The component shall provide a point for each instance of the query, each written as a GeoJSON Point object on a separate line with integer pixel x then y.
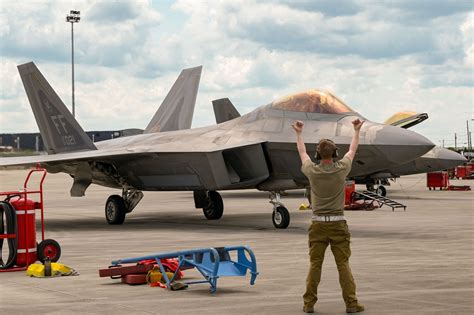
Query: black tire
{"type": "Point", "coordinates": [48, 250]}
{"type": "Point", "coordinates": [382, 191]}
{"type": "Point", "coordinates": [115, 210]}
{"type": "Point", "coordinates": [215, 206]}
{"type": "Point", "coordinates": [281, 218]}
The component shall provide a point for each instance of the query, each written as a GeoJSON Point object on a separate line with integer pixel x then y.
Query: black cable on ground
{"type": "Point", "coordinates": [11, 228]}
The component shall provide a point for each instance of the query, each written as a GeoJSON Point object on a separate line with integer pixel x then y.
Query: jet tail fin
{"type": "Point", "coordinates": [59, 129]}
{"type": "Point", "coordinates": [176, 111]}
{"type": "Point", "coordinates": [224, 110]}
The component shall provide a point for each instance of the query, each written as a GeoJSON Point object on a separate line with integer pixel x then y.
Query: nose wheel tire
{"type": "Point", "coordinates": [281, 218]}
{"type": "Point", "coordinates": [215, 206]}
{"type": "Point", "coordinates": [49, 250]}
{"type": "Point", "coordinates": [115, 210]}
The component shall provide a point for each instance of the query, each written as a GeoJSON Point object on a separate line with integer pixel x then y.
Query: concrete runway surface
{"type": "Point", "coordinates": [416, 262]}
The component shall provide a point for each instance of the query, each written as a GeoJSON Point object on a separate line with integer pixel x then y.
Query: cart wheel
{"type": "Point", "coordinates": [115, 210]}
{"type": "Point", "coordinates": [49, 250]}
{"type": "Point", "coordinates": [382, 191]}
{"type": "Point", "coordinates": [281, 218]}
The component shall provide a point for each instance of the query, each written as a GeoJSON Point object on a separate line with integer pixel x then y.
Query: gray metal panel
{"type": "Point", "coordinates": [224, 110]}
{"type": "Point", "coordinates": [176, 111]}
{"type": "Point", "coordinates": [59, 129]}
{"type": "Point", "coordinates": [171, 180]}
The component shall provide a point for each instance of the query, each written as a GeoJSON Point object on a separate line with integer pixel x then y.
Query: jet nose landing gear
{"type": "Point", "coordinates": [280, 215]}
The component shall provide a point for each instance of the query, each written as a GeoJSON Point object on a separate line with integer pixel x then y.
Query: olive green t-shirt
{"type": "Point", "coordinates": [327, 185]}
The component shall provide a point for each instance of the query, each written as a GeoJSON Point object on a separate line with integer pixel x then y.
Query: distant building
{"type": "Point", "coordinates": [33, 141]}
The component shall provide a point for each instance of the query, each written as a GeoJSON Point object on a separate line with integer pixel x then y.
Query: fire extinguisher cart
{"type": "Point", "coordinates": [26, 248]}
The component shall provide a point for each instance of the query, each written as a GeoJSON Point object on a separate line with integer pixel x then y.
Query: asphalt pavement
{"type": "Point", "coordinates": [418, 261]}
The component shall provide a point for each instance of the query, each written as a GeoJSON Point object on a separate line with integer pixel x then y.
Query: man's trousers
{"type": "Point", "coordinates": [336, 234]}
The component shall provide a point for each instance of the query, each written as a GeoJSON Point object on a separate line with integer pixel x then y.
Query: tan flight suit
{"type": "Point", "coordinates": [327, 199]}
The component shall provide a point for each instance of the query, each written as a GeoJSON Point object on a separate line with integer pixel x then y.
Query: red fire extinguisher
{"type": "Point", "coordinates": [20, 227]}
{"type": "Point", "coordinates": [26, 230]}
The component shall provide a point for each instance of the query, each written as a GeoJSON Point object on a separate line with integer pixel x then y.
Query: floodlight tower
{"type": "Point", "coordinates": [73, 17]}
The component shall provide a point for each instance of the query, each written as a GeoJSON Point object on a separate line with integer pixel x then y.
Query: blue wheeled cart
{"type": "Point", "coordinates": [211, 262]}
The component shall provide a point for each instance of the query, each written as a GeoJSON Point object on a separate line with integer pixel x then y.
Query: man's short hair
{"type": "Point", "coordinates": [326, 149]}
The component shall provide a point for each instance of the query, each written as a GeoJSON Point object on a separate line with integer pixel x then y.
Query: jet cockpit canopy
{"type": "Point", "coordinates": [312, 101]}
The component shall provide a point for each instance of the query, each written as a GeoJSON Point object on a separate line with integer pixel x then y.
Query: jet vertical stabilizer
{"type": "Point", "coordinates": [59, 129]}
{"type": "Point", "coordinates": [176, 111]}
{"type": "Point", "coordinates": [224, 110]}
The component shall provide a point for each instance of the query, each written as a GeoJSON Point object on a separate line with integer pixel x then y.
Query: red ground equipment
{"type": "Point", "coordinates": [349, 189]}
{"type": "Point", "coordinates": [20, 227]}
{"type": "Point", "coordinates": [441, 180]}
{"type": "Point", "coordinates": [470, 167]}
{"type": "Point", "coordinates": [462, 171]}
{"type": "Point", "coordinates": [437, 180]}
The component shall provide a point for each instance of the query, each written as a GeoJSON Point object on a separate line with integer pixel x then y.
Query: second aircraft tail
{"type": "Point", "coordinates": [176, 111]}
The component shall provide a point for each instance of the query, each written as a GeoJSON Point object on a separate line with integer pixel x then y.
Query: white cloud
{"type": "Point", "coordinates": [380, 58]}
{"type": "Point", "coordinates": [467, 31]}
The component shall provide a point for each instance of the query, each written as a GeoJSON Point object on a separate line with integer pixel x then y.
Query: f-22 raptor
{"type": "Point", "coordinates": [254, 151]}
{"type": "Point", "coordinates": [437, 159]}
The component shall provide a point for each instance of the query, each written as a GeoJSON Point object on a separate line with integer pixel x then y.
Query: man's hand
{"type": "Point", "coordinates": [357, 124]}
{"type": "Point", "coordinates": [298, 126]}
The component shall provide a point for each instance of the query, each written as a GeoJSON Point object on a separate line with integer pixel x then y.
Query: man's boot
{"type": "Point", "coordinates": [308, 309]}
{"type": "Point", "coordinates": [355, 308]}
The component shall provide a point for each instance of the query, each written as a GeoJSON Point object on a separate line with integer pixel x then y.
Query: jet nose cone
{"type": "Point", "coordinates": [449, 158]}
{"type": "Point", "coordinates": [400, 145]}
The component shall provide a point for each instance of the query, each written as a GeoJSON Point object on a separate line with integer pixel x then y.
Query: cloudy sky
{"type": "Point", "coordinates": [380, 57]}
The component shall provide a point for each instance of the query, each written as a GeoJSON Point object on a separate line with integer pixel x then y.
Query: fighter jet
{"type": "Point", "coordinates": [254, 151]}
{"type": "Point", "coordinates": [437, 159]}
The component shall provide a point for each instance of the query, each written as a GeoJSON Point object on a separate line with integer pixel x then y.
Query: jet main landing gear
{"type": "Point", "coordinates": [117, 206]}
{"type": "Point", "coordinates": [280, 215]}
{"type": "Point", "coordinates": [210, 202]}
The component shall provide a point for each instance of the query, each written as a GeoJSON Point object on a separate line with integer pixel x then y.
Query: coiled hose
{"type": "Point", "coordinates": [11, 228]}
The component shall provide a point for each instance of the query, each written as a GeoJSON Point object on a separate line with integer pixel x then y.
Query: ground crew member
{"type": "Point", "coordinates": [329, 227]}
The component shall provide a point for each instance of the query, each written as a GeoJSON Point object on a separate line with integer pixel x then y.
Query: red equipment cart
{"type": "Point", "coordinates": [461, 171]}
{"type": "Point", "coordinates": [437, 179]}
{"type": "Point", "coordinates": [27, 250]}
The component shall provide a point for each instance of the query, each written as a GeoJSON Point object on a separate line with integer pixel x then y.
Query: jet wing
{"type": "Point", "coordinates": [168, 168]}
{"type": "Point", "coordinates": [406, 119]}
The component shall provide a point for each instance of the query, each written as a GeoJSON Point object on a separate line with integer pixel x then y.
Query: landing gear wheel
{"type": "Point", "coordinates": [382, 191]}
{"type": "Point", "coordinates": [281, 217]}
{"type": "Point", "coordinates": [215, 207]}
{"type": "Point", "coordinates": [49, 250]}
{"type": "Point", "coordinates": [115, 210]}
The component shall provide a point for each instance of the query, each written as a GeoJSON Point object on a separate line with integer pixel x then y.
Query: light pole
{"type": "Point", "coordinates": [72, 18]}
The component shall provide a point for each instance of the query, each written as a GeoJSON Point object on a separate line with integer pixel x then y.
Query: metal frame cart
{"type": "Point", "coordinates": [212, 263]}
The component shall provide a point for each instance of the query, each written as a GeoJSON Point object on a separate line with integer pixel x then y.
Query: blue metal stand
{"type": "Point", "coordinates": [211, 262]}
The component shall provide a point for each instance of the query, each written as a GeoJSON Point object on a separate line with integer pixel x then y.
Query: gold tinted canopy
{"type": "Point", "coordinates": [312, 101]}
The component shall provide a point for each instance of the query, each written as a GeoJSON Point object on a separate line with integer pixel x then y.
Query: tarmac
{"type": "Point", "coordinates": [418, 261]}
